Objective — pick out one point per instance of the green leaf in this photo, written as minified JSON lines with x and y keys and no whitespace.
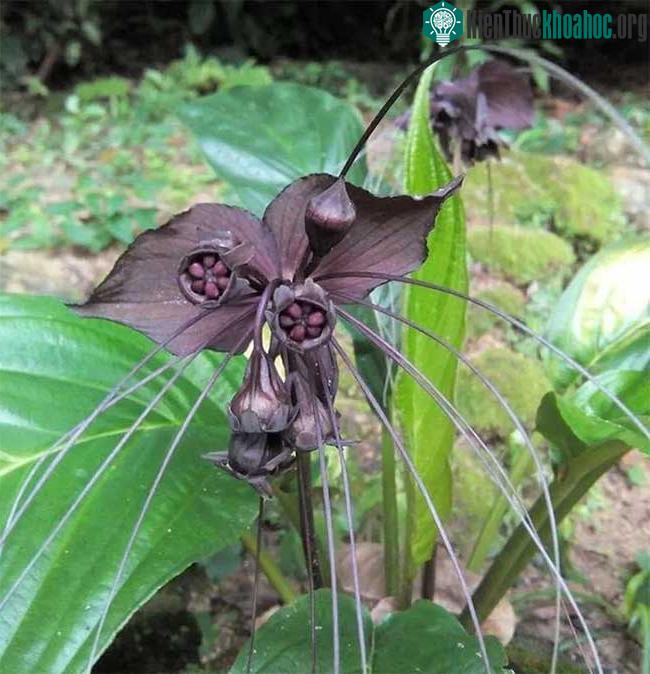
{"x":425,"y":639}
{"x":283,"y":644}
{"x":55,"y":368}
{"x":603,"y":318}
{"x":428,"y":431}
{"x":429,"y":640}
{"x":587,"y":418}
{"x":259,"y":139}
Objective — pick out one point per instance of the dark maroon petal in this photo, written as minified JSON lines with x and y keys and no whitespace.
{"x":250,"y":242}
{"x":508,"y":96}
{"x":389,"y":236}
{"x":142,"y":291}
{"x":285,"y":217}
{"x":223,"y":326}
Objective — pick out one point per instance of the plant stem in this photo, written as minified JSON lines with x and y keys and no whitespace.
{"x":271,"y":570}
{"x":390,"y":517}
{"x":645,"y":636}
{"x":492,"y":523}
{"x":405,"y":595}
{"x":307,"y":529}
{"x":580,"y":473}
{"x":429,"y":576}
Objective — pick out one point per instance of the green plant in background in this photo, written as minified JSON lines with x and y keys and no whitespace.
{"x":539,"y":191}
{"x":430,"y":434}
{"x":520,"y":378}
{"x":521,"y":255}
{"x":119,"y":154}
{"x":637,"y":607}
{"x":589,"y":434}
{"x":55,"y":31}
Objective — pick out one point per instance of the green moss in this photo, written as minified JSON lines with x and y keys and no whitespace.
{"x":520,"y":379}
{"x":519,"y":253}
{"x":503,"y":295}
{"x":539,"y":190}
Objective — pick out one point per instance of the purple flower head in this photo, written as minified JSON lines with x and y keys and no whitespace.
{"x":468,"y":113}
{"x":215,"y":275}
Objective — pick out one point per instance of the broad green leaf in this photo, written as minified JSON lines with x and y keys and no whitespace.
{"x":259,"y":139}
{"x":587,"y":418}
{"x":428,"y":431}
{"x":429,"y":640}
{"x":54,"y":369}
{"x":603,"y":318}
{"x":283,"y":644}
{"x":425,"y":639}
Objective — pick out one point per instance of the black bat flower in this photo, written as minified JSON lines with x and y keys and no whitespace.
{"x":468,"y":113}
{"x":214,"y":275}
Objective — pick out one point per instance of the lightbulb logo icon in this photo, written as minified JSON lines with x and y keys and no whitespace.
{"x":442,"y":23}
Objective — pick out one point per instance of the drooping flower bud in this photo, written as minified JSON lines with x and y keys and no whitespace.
{"x":263,"y":403}
{"x":313,"y":422}
{"x":254,"y":457}
{"x":328,"y":217}
{"x":301,"y":317}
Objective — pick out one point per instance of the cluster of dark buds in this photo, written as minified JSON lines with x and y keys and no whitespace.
{"x":215,"y":275}
{"x":467,"y":114}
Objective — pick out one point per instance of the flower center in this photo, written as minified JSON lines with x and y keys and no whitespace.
{"x":302,"y":320}
{"x":204,"y":277}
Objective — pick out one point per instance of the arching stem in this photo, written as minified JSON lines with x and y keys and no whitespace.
{"x":389,"y":104}
{"x":581,"y":473}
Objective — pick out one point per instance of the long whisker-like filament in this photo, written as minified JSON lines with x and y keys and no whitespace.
{"x":510,"y":319}
{"x":468,"y":432}
{"x":150,"y":495}
{"x":186,"y":361}
{"x":541,"y":477}
{"x":331,"y":547}
{"x":256,"y":580}
{"x":64,"y":444}
{"x":350,"y":518}
{"x":404,"y":455}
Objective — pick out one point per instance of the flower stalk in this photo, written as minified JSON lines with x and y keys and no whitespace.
{"x":270,"y":569}
{"x":580,"y":474}
{"x":390,"y":521}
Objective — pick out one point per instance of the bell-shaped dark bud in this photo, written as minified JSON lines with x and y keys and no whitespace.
{"x":328,"y":217}
{"x":263,"y":403}
{"x":254,"y":457}
{"x":313,"y":422}
{"x":301,"y":317}
{"x":250,"y":454}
